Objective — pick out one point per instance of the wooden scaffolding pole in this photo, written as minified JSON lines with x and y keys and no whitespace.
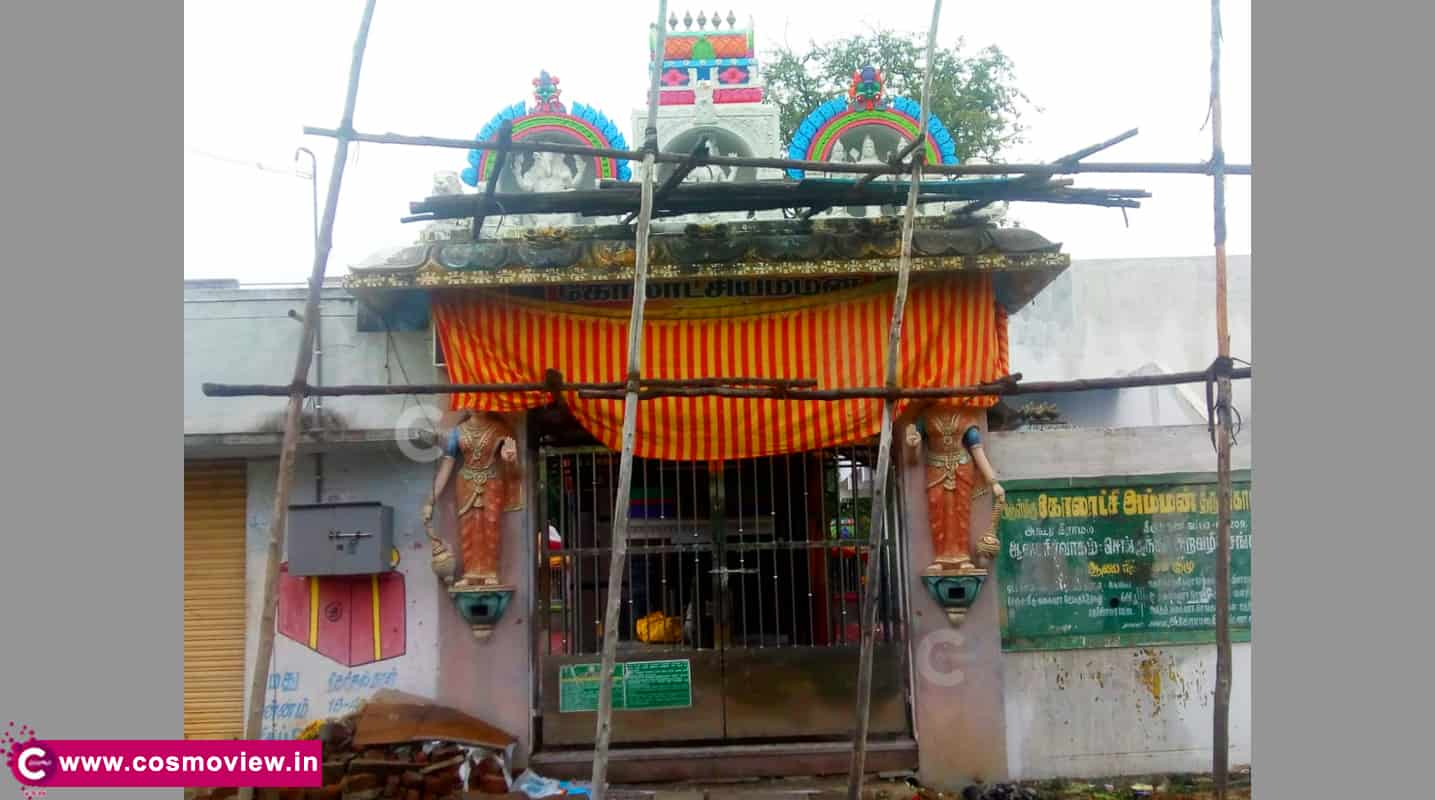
{"x":621,"y":504}
{"x":1111,"y":167}
{"x":884,"y":442}
{"x":558,"y":385}
{"x":754,"y":388}
{"x":1220,"y":738}
{"x":258,"y":678}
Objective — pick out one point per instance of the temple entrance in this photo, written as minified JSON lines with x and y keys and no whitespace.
{"x":740,"y":598}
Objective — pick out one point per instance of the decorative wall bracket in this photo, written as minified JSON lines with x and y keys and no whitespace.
{"x":955,"y":592}
{"x":482,"y":607}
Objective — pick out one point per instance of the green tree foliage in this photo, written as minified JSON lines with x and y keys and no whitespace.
{"x":974,"y":95}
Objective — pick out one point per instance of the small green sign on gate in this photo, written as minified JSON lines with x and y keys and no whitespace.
{"x":637,"y":686}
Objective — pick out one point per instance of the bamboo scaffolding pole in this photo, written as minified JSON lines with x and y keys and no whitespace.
{"x":505,"y":138}
{"x":1086,"y":152}
{"x":618,"y":197}
{"x":1134,"y":167}
{"x":775,"y":388}
{"x":354,"y":390}
{"x":897,"y":190}
{"x":1068,"y":159}
{"x":621,"y":503}
{"x":895,"y":160}
{"x":681,"y":171}
{"x":1221,"y":722}
{"x":258,"y":679}
{"x":1002,"y":387}
{"x":878,"y":527}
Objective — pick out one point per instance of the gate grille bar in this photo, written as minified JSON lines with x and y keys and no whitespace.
{"x":755,"y":553}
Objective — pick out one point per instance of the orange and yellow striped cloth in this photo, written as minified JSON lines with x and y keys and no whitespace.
{"x":954,"y":334}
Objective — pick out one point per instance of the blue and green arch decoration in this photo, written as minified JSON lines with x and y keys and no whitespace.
{"x":585,"y":125}
{"x":818,"y":132}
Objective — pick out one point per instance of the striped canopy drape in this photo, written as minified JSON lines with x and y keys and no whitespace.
{"x":954,"y":334}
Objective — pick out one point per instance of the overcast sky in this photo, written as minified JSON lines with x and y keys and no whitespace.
{"x":256,"y":72}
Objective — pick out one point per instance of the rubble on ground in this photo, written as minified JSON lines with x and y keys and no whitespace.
{"x":402,"y":747}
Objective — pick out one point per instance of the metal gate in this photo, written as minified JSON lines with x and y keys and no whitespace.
{"x":745,"y":575}
{"x":215,"y":494}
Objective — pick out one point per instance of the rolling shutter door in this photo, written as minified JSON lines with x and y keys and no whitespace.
{"x":214,"y":603}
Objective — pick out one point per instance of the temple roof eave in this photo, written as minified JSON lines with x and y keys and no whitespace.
{"x":1023,"y":261}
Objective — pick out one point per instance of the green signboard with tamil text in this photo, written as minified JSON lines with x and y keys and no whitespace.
{"x":1119,"y":562}
{"x":637,"y":686}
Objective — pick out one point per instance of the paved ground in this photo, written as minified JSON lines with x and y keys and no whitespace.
{"x":1157,"y":787}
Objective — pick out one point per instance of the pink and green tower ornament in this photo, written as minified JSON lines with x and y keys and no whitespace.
{"x":546,"y":93}
{"x":866,"y":90}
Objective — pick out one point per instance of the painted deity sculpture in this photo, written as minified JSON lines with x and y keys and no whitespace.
{"x":485,"y":452}
{"x":838,"y":156}
{"x":703,"y":110}
{"x":549,"y":172}
{"x":869,"y":152}
{"x":956,"y":460}
{"x":868,"y":155}
{"x":445,"y":183}
{"x":712,"y":173}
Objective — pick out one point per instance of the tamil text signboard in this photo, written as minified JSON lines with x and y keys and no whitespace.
{"x":1119,"y":562}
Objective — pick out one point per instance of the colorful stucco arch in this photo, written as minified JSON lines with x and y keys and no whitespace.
{"x":866,"y":106}
{"x":550,"y":119}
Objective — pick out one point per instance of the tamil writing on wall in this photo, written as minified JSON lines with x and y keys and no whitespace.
{"x":1119,"y":563}
{"x":700,"y":288}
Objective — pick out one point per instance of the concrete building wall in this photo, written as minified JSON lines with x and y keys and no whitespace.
{"x":1125,"y":711}
{"x":985,"y":715}
{"x":323,"y":686}
{"x":1115,"y":316}
{"x":441,"y":659}
{"x":245,"y":336}
{"x":1147,"y":407}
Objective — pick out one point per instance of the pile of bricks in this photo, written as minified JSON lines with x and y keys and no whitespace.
{"x":408,"y":771}
{"x":399,"y":746}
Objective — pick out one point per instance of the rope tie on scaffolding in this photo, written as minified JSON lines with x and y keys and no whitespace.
{"x":1221,"y":367}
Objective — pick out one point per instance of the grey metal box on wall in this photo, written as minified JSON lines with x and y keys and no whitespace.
{"x":340,"y":539}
